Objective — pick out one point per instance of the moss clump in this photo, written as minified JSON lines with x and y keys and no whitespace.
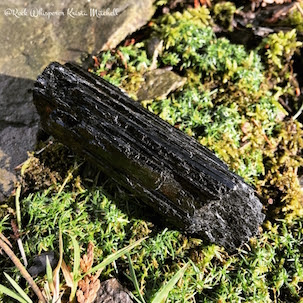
{"x":88,"y":216}
{"x":224,"y":14}
{"x":280,"y":48}
{"x":277,"y":51}
{"x":47,"y":168}
{"x":124,"y":67}
{"x":280,"y":184}
{"x":270,"y":268}
{"x":191,"y":44}
{"x":294,"y":18}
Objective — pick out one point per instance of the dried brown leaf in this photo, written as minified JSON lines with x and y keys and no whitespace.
{"x":67,"y":274}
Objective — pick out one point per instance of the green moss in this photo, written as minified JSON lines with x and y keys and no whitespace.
{"x":192,"y":44}
{"x":270,"y":267}
{"x":294,"y":18}
{"x":280,"y":183}
{"x":199,"y":17}
{"x":224,"y":14}
{"x":280,"y":48}
{"x":88,"y":216}
{"x":124,"y":67}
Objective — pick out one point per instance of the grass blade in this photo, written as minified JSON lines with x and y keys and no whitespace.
{"x":18,"y":214}
{"x":21,"y":249}
{"x":76,"y":268}
{"x":47,"y":292}
{"x":111,"y":258}
{"x":18,"y":289}
{"x":133,"y":278}
{"x":18,"y":210}
{"x":134,"y":298}
{"x":162,"y":294}
{"x":49,"y":273}
{"x":22,"y":269}
{"x":67,"y":274}
{"x":56,"y":277}
{"x":11,"y":294}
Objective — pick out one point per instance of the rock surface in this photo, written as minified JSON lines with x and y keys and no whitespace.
{"x":18,"y":128}
{"x":39,"y":263}
{"x":159,"y":83}
{"x":111,"y":291}
{"x":31,"y":40}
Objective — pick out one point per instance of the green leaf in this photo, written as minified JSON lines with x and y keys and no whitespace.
{"x":49,"y":271}
{"x":76,"y":268}
{"x":11,"y":294}
{"x":18,"y":289}
{"x":111,"y":258}
{"x":134,"y":278}
{"x":162,"y":294}
{"x":25,"y":166}
{"x":18,"y":210}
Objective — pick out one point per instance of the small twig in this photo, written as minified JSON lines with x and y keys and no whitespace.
{"x":43,"y":148}
{"x":297,"y":4}
{"x":6,"y":240}
{"x":299,"y":112}
{"x":263,"y":133}
{"x":96,"y":61}
{"x":22,"y":270}
{"x":280,"y":12}
{"x":69,"y":177}
{"x":122,"y":58}
{"x":16,"y":230}
{"x":287,"y":107}
{"x":19,"y":242}
{"x":17,"y":201}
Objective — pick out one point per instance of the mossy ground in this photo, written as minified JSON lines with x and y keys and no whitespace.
{"x":231,"y":103}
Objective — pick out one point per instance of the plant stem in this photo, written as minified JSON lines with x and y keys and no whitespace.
{"x":18,"y":211}
{"x":22,"y":270}
{"x":298,"y":112}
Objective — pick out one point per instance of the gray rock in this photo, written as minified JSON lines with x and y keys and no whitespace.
{"x":111,"y":291}
{"x":159,"y":83}
{"x":30,"y":40}
{"x":30,"y":43}
{"x":39,"y":263}
{"x":15,"y":141}
{"x":18,"y":128}
{"x":134,"y":14}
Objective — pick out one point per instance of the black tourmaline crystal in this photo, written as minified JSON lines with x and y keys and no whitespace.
{"x":166,"y":169}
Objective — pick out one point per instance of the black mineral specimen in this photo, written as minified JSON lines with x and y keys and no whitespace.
{"x":166,"y":169}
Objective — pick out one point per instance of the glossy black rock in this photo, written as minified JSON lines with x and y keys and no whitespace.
{"x":166,"y":169}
